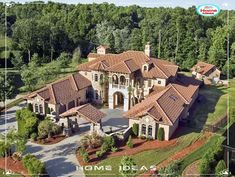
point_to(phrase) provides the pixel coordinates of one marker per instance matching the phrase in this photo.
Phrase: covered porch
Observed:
(74, 119)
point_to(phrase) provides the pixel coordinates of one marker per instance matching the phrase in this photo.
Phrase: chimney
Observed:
(147, 49)
(103, 49)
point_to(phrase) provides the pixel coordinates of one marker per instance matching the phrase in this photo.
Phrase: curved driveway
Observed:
(59, 158)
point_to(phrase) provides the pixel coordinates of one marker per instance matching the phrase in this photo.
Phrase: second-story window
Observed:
(159, 82)
(145, 68)
(96, 95)
(101, 77)
(96, 77)
(149, 83)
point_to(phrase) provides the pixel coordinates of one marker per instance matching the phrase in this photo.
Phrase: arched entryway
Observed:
(118, 100)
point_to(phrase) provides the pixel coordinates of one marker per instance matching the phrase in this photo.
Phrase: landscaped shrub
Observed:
(82, 151)
(85, 157)
(171, 170)
(126, 165)
(114, 149)
(48, 111)
(92, 141)
(135, 129)
(33, 165)
(104, 147)
(4, 148)
(30, 107)
(218, 151)
(142, 137)
(46, 128)
(207, 162)
(27, 121)
(220, 167)
(34, 136)
(129, 143)
(161, 134)
(99, 153)
(109, 141)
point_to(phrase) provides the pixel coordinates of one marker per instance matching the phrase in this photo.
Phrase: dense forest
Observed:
(45, 30)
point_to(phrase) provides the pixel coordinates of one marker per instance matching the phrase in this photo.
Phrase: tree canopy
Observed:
(176, 34)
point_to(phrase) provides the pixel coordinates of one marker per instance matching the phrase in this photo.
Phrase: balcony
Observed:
(119, 86)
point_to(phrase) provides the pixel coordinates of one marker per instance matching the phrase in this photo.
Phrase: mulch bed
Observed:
(53, 140)
(192, 170)
(14, 166)
(140, 145)
(181, 154)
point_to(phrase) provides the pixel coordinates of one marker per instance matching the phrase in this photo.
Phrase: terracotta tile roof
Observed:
(131, 61)
(186, 86)
(87, 111)
(126, 66)
(103, 46)
(164, 106)
(93, 55)
(63, 90)
(160, 69)
(202, 67)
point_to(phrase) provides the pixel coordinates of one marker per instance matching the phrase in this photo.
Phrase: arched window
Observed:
(114, 79)
(96, 95)
(36, 107)
(101, 77)
(145, 68)
(40, 109)
(122, 80)
(150, 129)
(96, 77)
(143, 129)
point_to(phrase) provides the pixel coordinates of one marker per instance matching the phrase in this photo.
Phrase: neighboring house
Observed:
(60, 95)
(164, 108)
(124, 79)
(206, 72)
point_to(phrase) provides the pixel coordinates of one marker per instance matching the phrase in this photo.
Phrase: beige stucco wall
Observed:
(91, 58)
(97, 87)
(163, 82)
(86, 74)
(102, 51)
(148, 120)
(39, 101)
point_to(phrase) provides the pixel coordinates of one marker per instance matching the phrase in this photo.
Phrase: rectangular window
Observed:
(96, 95)
(143, 129)
(149, 83)
(96, 77)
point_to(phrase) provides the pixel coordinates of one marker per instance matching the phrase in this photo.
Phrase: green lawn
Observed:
(197, 154)
(2, 174)
(147, 158)
(212, 107)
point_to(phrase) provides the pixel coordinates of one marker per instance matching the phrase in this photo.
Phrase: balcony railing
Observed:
(118, 86)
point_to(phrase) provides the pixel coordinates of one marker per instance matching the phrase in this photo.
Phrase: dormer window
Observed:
(145, 67)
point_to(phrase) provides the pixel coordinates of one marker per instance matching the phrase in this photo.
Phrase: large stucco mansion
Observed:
(149, 90)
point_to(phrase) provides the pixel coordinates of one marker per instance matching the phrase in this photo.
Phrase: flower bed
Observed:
(12, 165)
(139, 146)
(53, 140)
